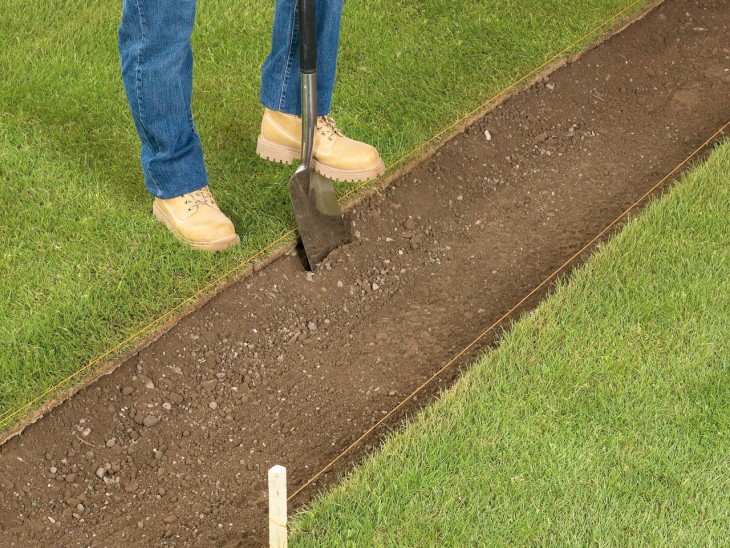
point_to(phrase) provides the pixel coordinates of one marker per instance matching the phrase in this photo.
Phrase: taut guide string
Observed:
(505, 316)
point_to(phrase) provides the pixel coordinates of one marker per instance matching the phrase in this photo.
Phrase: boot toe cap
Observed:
(211, 230)
(356, 156)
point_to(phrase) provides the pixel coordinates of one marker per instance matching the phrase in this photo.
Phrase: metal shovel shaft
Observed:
(322, 227)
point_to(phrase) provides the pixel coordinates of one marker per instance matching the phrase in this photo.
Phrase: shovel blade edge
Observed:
(322, 227)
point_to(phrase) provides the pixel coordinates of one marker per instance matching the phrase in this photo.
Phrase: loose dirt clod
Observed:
(150, 420)
(394, 311)
(209, 385)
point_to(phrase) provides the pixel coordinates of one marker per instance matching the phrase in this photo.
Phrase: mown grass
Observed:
(82, 262)
(602, 419)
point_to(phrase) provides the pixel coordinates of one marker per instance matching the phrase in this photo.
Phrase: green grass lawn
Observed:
(82, 262)
(602, 419)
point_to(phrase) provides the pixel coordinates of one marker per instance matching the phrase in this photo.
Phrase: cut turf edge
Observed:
(110, 361)
(602, 417)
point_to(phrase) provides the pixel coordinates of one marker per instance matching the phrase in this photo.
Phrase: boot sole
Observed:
(285, 155)
(218, 245)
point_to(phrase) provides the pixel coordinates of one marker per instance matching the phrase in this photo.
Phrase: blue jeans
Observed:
(157, 71)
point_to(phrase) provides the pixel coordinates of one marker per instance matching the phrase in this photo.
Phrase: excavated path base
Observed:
(172, 448)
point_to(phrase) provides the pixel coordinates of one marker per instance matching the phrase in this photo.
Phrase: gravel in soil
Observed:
(289, 368)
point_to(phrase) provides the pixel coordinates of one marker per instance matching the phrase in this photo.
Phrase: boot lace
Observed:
(328, 128)
(199, 198)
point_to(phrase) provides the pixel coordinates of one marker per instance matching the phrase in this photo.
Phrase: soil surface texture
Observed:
(289, 368)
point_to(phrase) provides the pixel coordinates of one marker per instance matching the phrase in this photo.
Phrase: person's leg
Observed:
(280, 82)
(335, 155)
(157, 71)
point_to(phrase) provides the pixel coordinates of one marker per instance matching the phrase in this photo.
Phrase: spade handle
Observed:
(308, 70)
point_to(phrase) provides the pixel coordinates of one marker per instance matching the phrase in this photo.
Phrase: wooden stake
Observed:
(277, 507)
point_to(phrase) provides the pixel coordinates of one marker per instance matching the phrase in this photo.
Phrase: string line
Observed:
(509, 312)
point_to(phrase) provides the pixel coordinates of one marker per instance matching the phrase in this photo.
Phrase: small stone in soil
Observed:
(150, 420)
(410, 224)
(209, 385)
(213, 405)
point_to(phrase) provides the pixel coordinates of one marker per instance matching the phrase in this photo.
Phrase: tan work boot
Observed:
(195, 219)
(335, 156)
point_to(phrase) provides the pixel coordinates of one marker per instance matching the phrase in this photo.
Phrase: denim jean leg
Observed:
(280, 81)
(157, 72)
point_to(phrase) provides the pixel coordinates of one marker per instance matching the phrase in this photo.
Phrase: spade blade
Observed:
(319, 217)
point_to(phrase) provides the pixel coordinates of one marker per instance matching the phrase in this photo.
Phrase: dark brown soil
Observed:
(289, 368)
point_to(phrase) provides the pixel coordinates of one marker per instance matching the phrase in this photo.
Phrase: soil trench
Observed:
(289, 368)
